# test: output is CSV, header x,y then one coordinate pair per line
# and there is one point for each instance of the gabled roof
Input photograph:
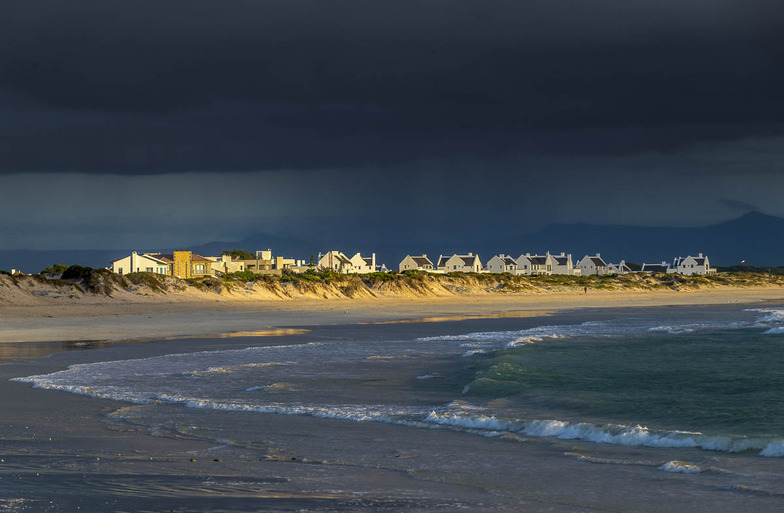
x,y
421,261
509,261
655,268
337,256
561,260
151,256
598,261
368,260
468,260
679,260
538,260
442,260
168,258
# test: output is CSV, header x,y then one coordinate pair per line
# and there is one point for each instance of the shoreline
x,y
56,441
127,322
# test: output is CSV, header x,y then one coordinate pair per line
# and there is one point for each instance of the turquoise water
x,y
727,381
706,378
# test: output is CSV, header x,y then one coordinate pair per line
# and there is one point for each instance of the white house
x,y
502,264
469,263
693,265
417,263
621,268
562,264
363,265
592,265
663,267
336,261
529,264
144,263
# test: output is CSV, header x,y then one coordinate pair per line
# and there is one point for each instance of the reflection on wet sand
x,y
10,351
449,318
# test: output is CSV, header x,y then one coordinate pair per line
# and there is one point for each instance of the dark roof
x,y
468,260
154,256
678,261
442,260
598,261
368,260
421,261
169,257
161,256
509,261
538,260
338,257
561,260
655,268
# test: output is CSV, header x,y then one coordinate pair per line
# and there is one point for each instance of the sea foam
x,y
680,467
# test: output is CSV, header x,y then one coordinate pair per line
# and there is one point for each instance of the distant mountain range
x,y
754,237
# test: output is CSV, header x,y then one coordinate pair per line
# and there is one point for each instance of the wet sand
x,y
61,452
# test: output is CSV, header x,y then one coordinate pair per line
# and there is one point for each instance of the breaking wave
x,y
612,434
772,319
458,416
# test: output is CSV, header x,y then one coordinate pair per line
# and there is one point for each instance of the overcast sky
x,y
126,124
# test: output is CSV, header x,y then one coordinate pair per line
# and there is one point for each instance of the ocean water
x,y
709,379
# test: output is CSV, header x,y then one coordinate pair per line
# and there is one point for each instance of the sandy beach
x,y
62,451
109,320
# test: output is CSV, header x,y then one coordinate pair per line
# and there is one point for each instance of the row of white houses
x,y
548,263
186,264
337,261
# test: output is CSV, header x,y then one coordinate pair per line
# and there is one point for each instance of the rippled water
x,y
708,379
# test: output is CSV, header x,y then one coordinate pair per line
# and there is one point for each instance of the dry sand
x,y
59,454
111,320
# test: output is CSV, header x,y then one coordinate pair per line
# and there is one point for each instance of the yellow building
x,y
187,264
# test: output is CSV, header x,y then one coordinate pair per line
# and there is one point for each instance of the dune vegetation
x,y
76,282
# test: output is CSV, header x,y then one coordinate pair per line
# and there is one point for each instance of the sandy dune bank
x,y
109,319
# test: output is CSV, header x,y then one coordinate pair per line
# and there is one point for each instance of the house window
x,y
148,269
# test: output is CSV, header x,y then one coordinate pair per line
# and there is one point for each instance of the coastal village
x,y
187,264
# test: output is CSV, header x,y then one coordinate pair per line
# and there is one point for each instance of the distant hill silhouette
x,y
754,237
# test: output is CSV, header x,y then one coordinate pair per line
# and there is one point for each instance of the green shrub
x,y
55,269
244,276
77,272
240,254
150,280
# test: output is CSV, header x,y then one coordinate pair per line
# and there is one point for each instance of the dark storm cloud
x,y
173,86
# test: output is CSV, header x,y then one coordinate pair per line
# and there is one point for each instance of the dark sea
x,y
633,399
